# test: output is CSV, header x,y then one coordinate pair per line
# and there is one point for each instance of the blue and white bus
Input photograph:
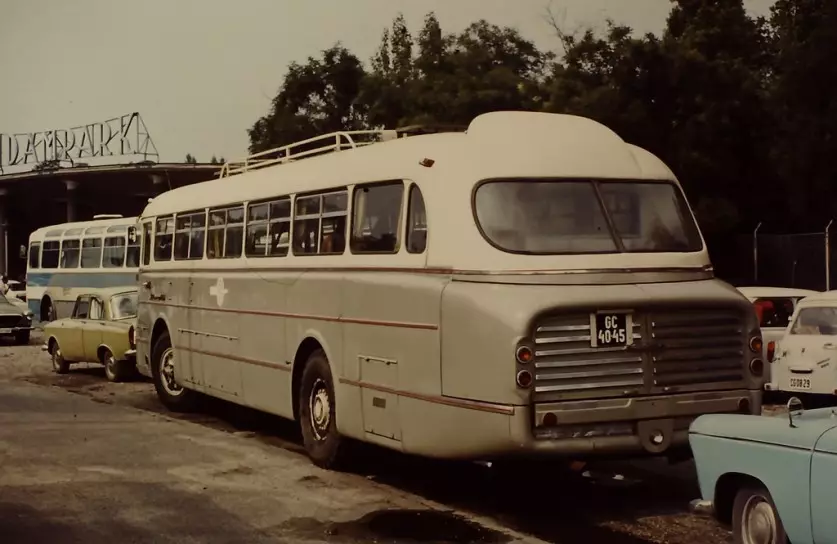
x,y
66,259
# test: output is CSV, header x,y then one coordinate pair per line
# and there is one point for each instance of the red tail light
x,y
131,338
771,351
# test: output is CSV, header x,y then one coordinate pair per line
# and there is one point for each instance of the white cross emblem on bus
x,y
218,291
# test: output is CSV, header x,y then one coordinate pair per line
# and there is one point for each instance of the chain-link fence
x,y
776,260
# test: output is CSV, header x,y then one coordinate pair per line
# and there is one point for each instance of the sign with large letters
x,y
120,136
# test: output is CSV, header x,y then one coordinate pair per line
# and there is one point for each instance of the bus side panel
x,y
266,374
220,299
483,323
314,301
391,346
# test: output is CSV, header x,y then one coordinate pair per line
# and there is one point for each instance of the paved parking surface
x,y
88,461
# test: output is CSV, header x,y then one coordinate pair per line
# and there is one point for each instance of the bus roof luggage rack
x,y
328,143
318,145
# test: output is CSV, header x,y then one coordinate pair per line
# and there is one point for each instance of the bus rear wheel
x,y
174,396
317,414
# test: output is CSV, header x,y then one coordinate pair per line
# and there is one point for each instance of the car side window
x,y
96,309
774,312
82,308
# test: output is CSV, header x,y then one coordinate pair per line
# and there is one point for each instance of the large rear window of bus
x,y
571,217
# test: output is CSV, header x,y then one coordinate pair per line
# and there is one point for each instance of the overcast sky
x,y
200,72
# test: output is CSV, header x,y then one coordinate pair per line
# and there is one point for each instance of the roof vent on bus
x,y
108,216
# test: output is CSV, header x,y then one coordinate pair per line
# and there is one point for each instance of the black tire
x,y
324,445
183,400
22,338
115,371
748,497
59,364
48,312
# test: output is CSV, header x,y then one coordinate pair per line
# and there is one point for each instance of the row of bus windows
x,y
108,252
317,226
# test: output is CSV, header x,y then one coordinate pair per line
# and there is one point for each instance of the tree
x,y
317,97
190,159
214,160
805,109
451,79
695,97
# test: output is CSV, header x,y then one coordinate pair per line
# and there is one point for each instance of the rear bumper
x,y
131,354
649,425
629,427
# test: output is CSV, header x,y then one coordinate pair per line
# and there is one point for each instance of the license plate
x,y
610,330
6,331
802,384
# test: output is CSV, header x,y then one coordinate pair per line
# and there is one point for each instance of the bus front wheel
x,y
317,414
174,396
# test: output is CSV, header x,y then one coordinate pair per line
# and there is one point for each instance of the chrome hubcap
x,y
759,524
56,358
167,373
319,405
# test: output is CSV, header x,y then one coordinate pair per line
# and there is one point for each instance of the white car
x,y
774,307
805,359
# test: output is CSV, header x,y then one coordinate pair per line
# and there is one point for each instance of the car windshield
x,y
561,217
816,321
123,305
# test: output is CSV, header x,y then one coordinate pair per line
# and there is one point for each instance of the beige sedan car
x,y
100,330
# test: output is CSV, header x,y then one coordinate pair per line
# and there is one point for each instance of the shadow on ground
x,y
544,500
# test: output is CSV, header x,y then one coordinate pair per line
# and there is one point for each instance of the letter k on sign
x,y
218,291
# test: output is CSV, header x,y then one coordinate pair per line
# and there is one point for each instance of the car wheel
x,y
59,364
22,338
173,395
317,414
755,519
115,371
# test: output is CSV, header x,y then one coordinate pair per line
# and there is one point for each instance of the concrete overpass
x,y
34,199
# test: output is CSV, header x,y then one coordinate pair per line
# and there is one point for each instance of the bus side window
x,y
163,239
35,255
146,243
375,218
51,254
416,222
225,235
189,235
70,251
91,253
320,224
132,254
114,252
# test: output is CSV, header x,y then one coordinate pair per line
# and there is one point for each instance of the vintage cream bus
x,y
531,286
69,259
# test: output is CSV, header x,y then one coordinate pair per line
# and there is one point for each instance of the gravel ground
x,y
645,503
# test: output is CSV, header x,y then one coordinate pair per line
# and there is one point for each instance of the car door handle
x,y
830,346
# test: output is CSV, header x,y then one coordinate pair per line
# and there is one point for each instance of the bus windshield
x,y
579,217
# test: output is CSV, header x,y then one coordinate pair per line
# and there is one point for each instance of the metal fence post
x,y
828,257
756,254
